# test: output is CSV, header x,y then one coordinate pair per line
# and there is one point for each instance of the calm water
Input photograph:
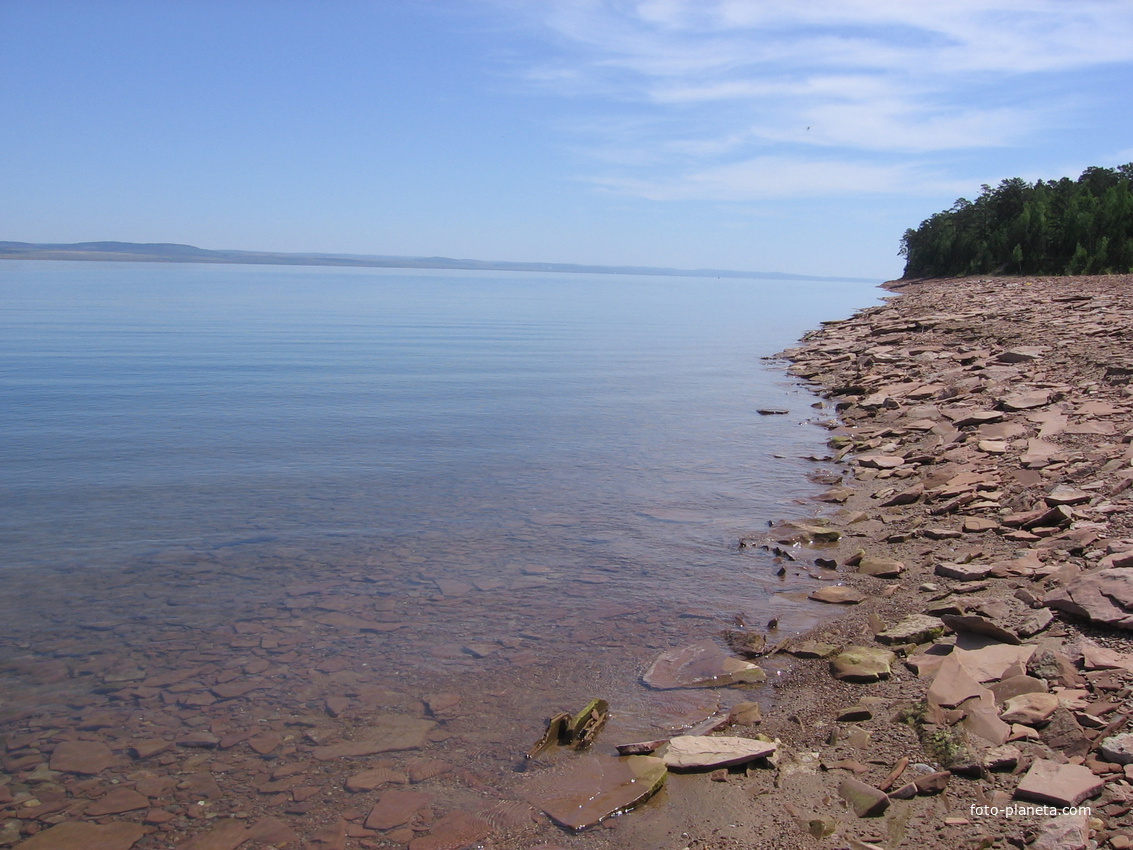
x,y
528,478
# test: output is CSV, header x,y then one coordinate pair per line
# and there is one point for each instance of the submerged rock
x,y
587,791
701,665
391,732
76,835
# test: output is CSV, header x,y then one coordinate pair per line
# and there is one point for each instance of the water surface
x,y
527,485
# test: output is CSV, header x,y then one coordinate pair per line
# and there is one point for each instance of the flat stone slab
x,y
702,665
880,567
837,595
1105,596
76,835
1118,749
368,780
915,628
391,732
456,829
880,461
1029,709
395,808
118,801
1059,784
704,751
963,572
86,757
1063,494
862,664
587,791
1025,401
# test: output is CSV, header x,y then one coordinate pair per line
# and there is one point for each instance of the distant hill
x,y
166,252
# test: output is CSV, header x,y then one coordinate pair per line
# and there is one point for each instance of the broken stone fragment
x,y
838,595
456,829
977,624
701,665
390,733
78,835
905,497
865,800
812,533
862,664
587,791
1104,596
85,757
932,783
369,780
915,628
812,649
1030,709
745,714
395,808
963,572
1118,749
118,801
1025,400
1063,494
689,752
1059,784
880,567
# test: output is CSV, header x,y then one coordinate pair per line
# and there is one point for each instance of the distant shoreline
x,y
163,252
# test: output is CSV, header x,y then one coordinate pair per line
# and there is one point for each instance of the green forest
x,y
1054,227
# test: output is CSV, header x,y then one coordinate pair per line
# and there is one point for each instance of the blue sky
x,y
769,135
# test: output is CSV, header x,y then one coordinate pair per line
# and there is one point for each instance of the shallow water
x,y
501,494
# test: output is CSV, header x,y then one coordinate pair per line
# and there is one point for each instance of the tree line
x,y
1053,227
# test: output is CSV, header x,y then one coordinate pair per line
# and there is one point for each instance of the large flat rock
x,y
1059,784
1105,596
690,752
702,665
75,835
586,791
390,733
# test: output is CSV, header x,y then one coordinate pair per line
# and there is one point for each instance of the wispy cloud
x,y
737,97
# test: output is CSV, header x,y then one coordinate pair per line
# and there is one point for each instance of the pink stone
x,y
1059,784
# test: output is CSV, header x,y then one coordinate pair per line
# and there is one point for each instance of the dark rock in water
x,y
586,725
641,748
772,411
701,665
747,644
585,792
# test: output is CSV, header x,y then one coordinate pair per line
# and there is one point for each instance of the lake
x,y
473,497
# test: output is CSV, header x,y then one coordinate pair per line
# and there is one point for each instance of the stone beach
x,y
975,539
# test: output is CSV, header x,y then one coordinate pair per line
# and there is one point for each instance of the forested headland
x,y
1054,227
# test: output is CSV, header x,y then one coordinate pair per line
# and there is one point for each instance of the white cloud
x,y
770,177
721,90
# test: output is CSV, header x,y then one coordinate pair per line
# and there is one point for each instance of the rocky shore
x,y
978,529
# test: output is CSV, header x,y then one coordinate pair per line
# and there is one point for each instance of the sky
x,y
758,135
